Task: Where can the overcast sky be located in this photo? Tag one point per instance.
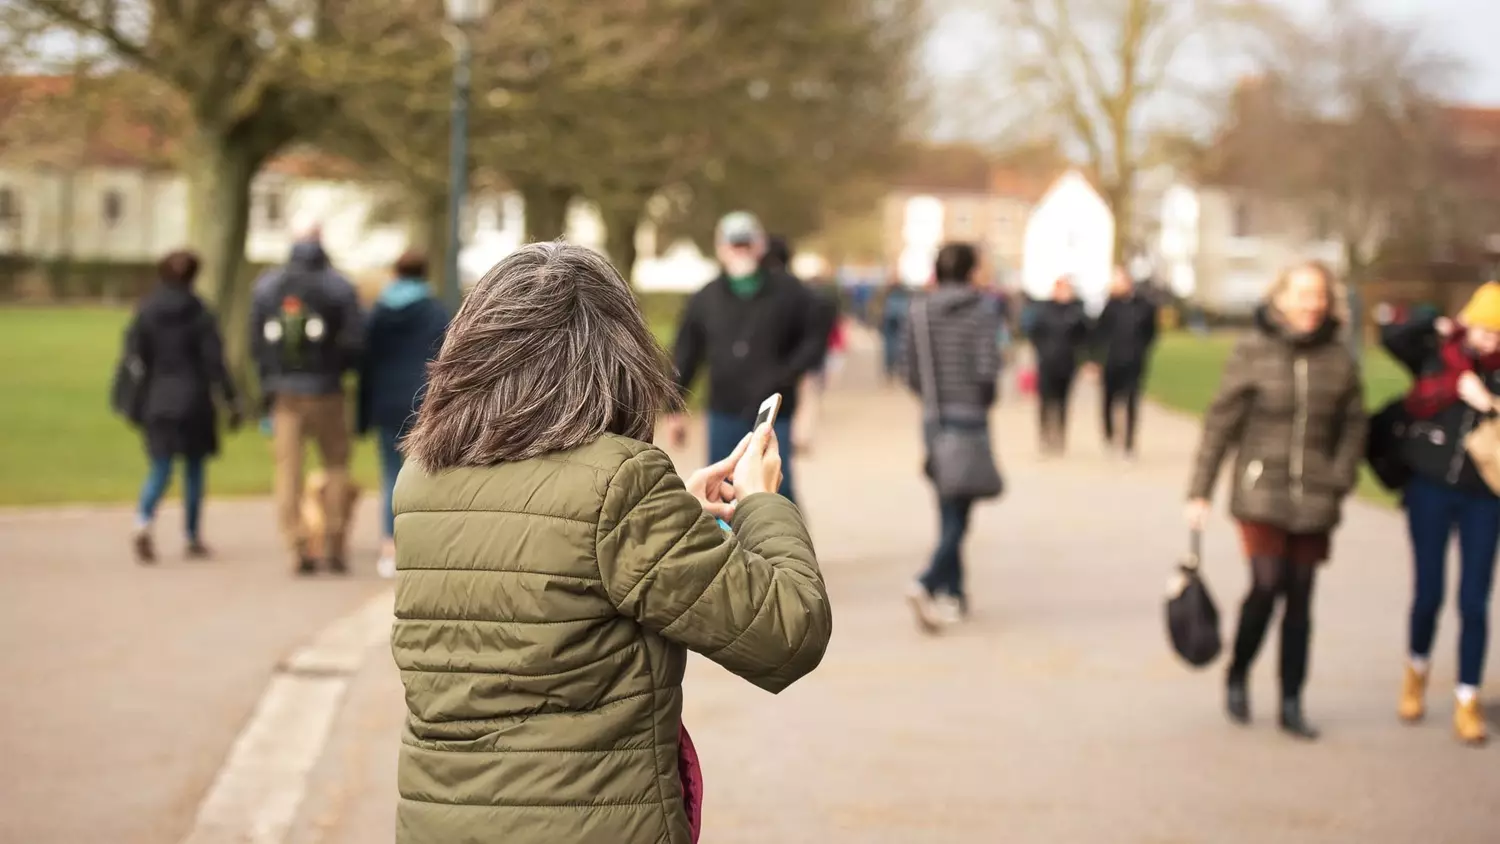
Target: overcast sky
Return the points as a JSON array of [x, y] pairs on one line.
[[1469, 29]]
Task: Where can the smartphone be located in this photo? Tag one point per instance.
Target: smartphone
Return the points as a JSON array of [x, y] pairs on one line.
[[768, 410]]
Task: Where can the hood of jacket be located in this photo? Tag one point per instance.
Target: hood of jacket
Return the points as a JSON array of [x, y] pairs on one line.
[[1269, 323], [308, 255], [171, 304], [954, 298], [402, 293]]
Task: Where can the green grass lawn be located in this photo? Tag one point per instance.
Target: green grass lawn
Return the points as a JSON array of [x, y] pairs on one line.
[[59, 442], [1186, 368]]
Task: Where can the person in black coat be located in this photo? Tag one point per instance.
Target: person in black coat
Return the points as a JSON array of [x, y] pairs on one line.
[[1124, 335], [404, 333], [175, 339], [1059, 333]]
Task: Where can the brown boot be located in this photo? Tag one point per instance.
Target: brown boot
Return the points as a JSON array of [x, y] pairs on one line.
[[1413, 705], [1469, 724]]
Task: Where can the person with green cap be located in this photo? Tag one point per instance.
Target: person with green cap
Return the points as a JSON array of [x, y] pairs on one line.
[[757, 329]]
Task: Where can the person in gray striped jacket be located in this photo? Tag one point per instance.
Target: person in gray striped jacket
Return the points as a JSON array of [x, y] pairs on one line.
[[964, 331]]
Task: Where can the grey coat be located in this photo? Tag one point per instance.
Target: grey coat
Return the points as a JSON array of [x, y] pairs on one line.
[[965, 332]]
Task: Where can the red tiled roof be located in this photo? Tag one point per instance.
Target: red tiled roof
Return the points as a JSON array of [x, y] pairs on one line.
[[41, 118]]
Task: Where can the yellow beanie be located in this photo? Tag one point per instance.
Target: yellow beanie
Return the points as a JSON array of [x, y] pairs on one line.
[[1483, 310]]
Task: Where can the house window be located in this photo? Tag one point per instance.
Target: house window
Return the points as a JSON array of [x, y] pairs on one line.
[[114, 208], [272, 208], [10, 208], [1240, 226]]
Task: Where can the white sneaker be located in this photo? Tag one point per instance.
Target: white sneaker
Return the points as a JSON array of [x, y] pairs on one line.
[[386, 567], [922, 608], [947, 610]]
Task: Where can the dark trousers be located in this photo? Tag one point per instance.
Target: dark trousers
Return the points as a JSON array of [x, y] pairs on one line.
[[1433, 511], [1122, 385], [159, 479], [945, 576], [1053, 389], [726, 430], [1275, 578]]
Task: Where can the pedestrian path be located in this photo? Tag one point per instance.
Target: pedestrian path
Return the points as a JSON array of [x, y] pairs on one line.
[[1058, 714]]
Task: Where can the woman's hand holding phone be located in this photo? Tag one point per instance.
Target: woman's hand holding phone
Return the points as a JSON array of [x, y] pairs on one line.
[[711, 484], [759, 468]]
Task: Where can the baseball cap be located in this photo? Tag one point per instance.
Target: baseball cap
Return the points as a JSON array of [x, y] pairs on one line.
[[740, 228]]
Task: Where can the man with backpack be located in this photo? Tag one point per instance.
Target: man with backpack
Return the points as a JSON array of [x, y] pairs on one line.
[[305, 333]]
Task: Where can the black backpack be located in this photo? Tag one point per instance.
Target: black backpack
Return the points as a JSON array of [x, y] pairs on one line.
[[302, 327], [1385, 444], [1192, 616]]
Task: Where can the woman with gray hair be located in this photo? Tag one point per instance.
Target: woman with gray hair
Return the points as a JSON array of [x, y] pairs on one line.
[[554, 571]]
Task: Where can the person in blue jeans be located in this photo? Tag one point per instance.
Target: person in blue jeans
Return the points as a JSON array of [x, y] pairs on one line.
[[963, 330], [758, 331], [175, 343], [1457, 365], [404, 332]]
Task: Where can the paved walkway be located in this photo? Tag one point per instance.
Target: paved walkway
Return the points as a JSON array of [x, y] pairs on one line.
[[1057, 715]]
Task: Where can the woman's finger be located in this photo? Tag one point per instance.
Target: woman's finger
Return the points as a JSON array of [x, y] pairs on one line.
[[726, 466]]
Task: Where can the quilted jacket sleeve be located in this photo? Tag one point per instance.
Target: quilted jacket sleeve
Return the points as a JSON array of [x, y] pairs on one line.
[[754, 601], [1225, 420]]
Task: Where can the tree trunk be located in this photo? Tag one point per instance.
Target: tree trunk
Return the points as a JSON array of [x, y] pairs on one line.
[[621, 221], [427, 230], [220, 167], [546, 210]]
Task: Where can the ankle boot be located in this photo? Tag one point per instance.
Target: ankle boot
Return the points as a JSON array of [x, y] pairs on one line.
[[1469, 724], [1413, 705], [1237, 700], [1293, 723]]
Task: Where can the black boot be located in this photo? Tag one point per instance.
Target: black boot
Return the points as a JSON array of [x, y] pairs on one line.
[[1293, 723], [1237, 700]]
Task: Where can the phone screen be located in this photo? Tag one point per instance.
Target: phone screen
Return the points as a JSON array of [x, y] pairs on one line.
[[767, 411], [763, 418]]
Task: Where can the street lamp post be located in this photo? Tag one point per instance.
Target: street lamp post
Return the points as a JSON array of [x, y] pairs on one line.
[[463, 15]]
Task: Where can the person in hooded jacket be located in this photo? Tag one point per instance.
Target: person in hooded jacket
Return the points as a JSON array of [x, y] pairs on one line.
[[305, 333], [1059, 333], [1291, 406], [963, 327], [1457, 369], [176, 339], [403, 334]]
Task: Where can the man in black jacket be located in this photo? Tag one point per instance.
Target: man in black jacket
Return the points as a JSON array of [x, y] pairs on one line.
[[1124, 335], [758, 330]]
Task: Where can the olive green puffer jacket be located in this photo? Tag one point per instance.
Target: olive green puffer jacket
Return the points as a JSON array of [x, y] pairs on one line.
[[544, 610]]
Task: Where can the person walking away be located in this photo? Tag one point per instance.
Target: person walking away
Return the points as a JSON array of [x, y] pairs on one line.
[[960, 329], [1291, 405], [403, 334], [306, 332], [893, 315], [1059, 333], [1126, 331], [1458, 376], [554, 572], [176, 341], [759, 331]]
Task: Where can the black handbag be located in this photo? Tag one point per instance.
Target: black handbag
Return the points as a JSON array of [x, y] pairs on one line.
[[127, 392], [960, 459], [1192, 616]]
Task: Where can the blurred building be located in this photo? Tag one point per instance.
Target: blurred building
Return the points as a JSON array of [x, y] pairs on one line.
[[1231, 224]]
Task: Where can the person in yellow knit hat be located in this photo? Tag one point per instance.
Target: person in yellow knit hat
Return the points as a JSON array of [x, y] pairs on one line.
[[1458, 369]]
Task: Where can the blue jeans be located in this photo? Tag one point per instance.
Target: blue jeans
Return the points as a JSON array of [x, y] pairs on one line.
[[726, 430], [390, 467], [945, 576], [1433, 510], [159, 479]]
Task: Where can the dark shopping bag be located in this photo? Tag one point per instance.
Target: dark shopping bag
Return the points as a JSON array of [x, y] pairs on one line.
[[1192, 617], [1384, 445]]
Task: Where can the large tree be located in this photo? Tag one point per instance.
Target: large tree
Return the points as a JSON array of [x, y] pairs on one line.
[[1105, 76], [240, 69]]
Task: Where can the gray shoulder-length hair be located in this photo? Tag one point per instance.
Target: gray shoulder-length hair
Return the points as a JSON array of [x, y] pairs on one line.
[[548, 352]]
